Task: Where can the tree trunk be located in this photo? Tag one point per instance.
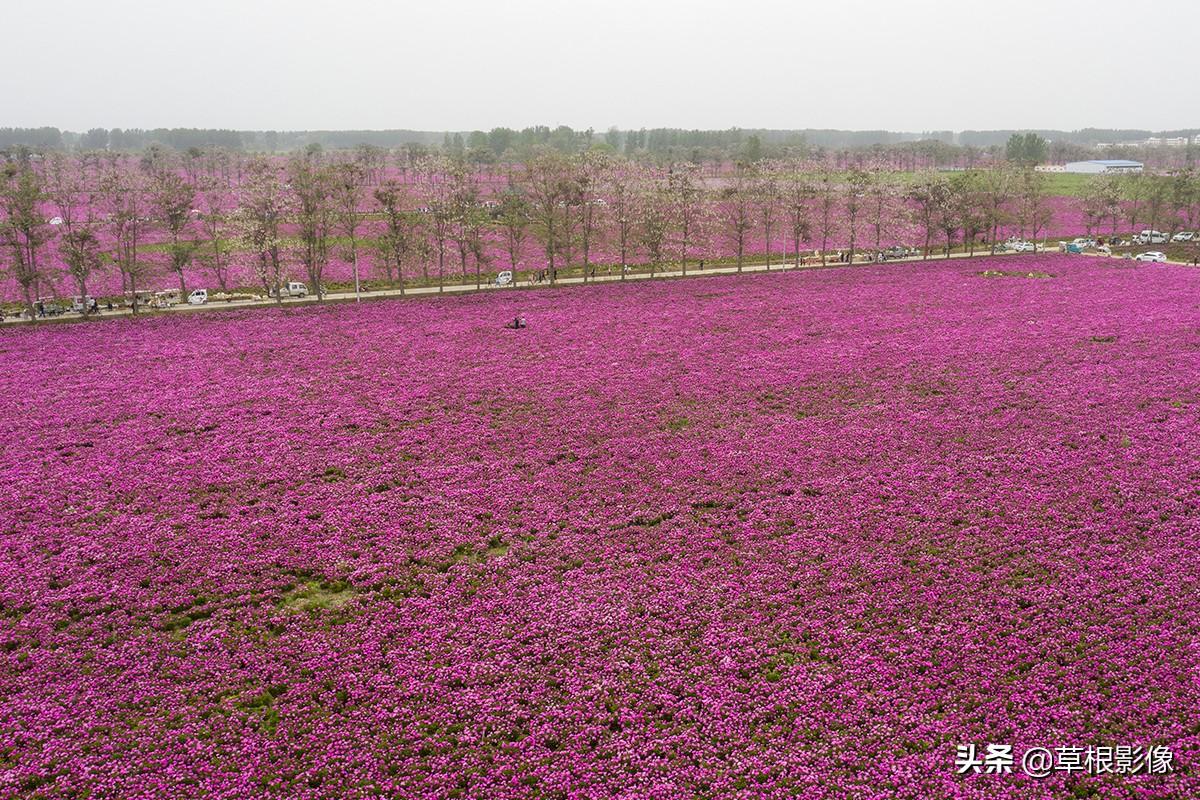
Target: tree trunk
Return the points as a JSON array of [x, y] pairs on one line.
[[441, 265], [550, 242], [586, 243], [81, 283], [29, 303], [683, 251], [275, 275]]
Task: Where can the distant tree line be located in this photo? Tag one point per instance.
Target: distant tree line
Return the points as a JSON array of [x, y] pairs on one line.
[[917, 150]]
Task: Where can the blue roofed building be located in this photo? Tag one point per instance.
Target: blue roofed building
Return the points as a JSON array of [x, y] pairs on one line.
[[1103, 165]]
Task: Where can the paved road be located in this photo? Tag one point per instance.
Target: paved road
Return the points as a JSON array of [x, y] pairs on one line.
[[342, 297]]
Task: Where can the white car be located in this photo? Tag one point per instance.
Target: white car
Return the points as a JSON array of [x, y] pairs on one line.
[[291, 289], [504, 278], [1150, 237], [1153, 255], [1022, 247], [1183, 236], [198, 297]]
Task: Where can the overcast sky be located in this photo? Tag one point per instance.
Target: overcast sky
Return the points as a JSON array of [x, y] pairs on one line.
[[911, 65]]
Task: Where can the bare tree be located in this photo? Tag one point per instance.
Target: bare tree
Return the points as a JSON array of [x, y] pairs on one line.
[[69, 189], [398, 241], [767, 195], [881, 200], [623, 184], [998, 190], [348, 179], [263, 206], [737, 209], [589, 168], [547, 187], [654, 223], [433, 174], [172, 198], [1133, 192], [928, 195], [857, 183], [23, 228], [468, 218], [969, 204], [1033, 211], [123, 193], [216, 225], [1158, 193], [312, 189], [826, 189], [683, 185], [514, 222], [798, 193]]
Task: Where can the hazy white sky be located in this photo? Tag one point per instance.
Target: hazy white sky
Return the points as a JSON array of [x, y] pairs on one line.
[[461, 64]]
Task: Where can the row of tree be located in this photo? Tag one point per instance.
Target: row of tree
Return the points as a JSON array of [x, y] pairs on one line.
[[433, 216], [502, 145]]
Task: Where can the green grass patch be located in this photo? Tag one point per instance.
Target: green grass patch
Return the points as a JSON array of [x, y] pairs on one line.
[[313, 595]]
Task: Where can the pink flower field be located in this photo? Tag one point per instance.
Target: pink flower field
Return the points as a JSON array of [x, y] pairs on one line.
[[791, 535]]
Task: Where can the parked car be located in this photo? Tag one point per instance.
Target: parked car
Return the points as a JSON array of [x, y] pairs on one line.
[[504, 278], [895, 252], [291, 289], [1150, 237], [1183, 236], [1152, 255], [79, 304], [198, 297], [1021, 246]]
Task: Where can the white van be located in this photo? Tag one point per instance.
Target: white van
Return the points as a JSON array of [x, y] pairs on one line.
[[1150, 237], [504, 278], [290, 289], [198, 297]]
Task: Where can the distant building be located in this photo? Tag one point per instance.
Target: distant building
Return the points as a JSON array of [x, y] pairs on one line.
[[1049, 168], [1175, 141], [1103, 165], [1153, 141]]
